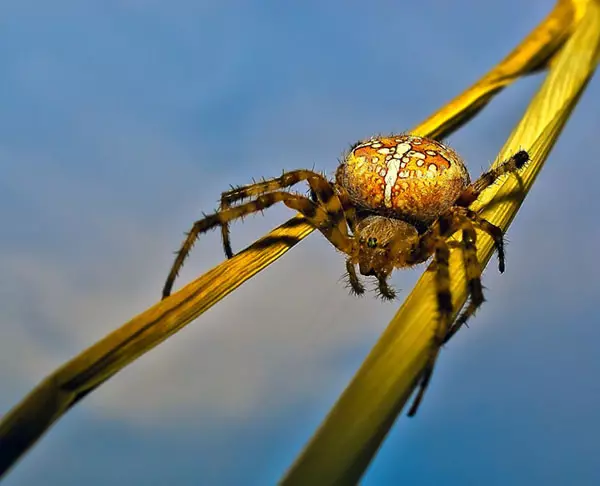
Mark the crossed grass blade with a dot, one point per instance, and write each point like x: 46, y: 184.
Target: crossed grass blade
x: 21, y: 427
x: 350, y: 436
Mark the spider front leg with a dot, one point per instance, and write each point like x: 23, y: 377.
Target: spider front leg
x: 316, y: 215
x: 225, y: 235
x: 322, y: 191
x: 252, y: 190
x: 236, y: 194
x: 327, y: 215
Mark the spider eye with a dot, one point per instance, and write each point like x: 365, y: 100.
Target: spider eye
x: 372, y: 242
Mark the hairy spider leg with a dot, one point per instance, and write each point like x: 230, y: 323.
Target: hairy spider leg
x: 492, y: 230
x: 436, y: 237
x: 321, y: 190
x: 347, y: 206
x: 255, y: 189
x: 385, y: 291
x: 473, y: 277
x: 356, y: 285
x: 470, y: 247
x: 469, y: 195
x: 331, y: 224
x: 473, y: 190
x: 444, y: 301
x: 219, y: 219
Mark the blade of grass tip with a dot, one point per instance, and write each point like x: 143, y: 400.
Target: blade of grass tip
x: 347, y: 441
x: 21, y: 427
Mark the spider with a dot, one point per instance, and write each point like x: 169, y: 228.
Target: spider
x: 394, y: 203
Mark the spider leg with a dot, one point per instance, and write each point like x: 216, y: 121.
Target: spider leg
x: 473, y: 190
x: 347, y: 207
x: 330, y: 219
x: 385, y: 291
x: 225, y: 235
x: 444, y: 300
x: 316, y: 215
x: 473, y: 276
x: 355, y: 284
x: 321, y: 190
x: 326, y: 194
x: 492, y: 230
x: 435, y: 239
x: 256, y: 189
x: 472, y: 265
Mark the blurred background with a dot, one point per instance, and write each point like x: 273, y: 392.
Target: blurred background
x: 123, y: 120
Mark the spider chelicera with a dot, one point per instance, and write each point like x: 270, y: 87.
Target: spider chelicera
x: 394, y: 203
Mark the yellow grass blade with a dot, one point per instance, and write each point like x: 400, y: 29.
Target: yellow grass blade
x: 27, y: 421
x: 346, y: 442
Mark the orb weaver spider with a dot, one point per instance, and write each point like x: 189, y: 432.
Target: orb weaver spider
x: 394, y: 203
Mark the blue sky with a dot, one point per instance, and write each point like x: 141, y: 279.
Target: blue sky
x: 122, y: 120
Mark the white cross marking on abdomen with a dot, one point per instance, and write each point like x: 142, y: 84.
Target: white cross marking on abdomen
x: 391, y: 176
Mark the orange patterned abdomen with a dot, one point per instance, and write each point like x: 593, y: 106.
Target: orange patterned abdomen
x: 414, y: 177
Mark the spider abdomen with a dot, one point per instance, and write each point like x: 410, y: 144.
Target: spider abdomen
x: 414, y: 177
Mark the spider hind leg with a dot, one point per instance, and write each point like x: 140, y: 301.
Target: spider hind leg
x: 473, y: 190
x: 457, y: 219
x: 444, y: 301
x: 473, y: 275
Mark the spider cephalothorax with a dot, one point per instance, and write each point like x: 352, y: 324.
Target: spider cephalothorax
x: 394, y: 203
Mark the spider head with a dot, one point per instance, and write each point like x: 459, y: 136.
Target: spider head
x: 382, y: 244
